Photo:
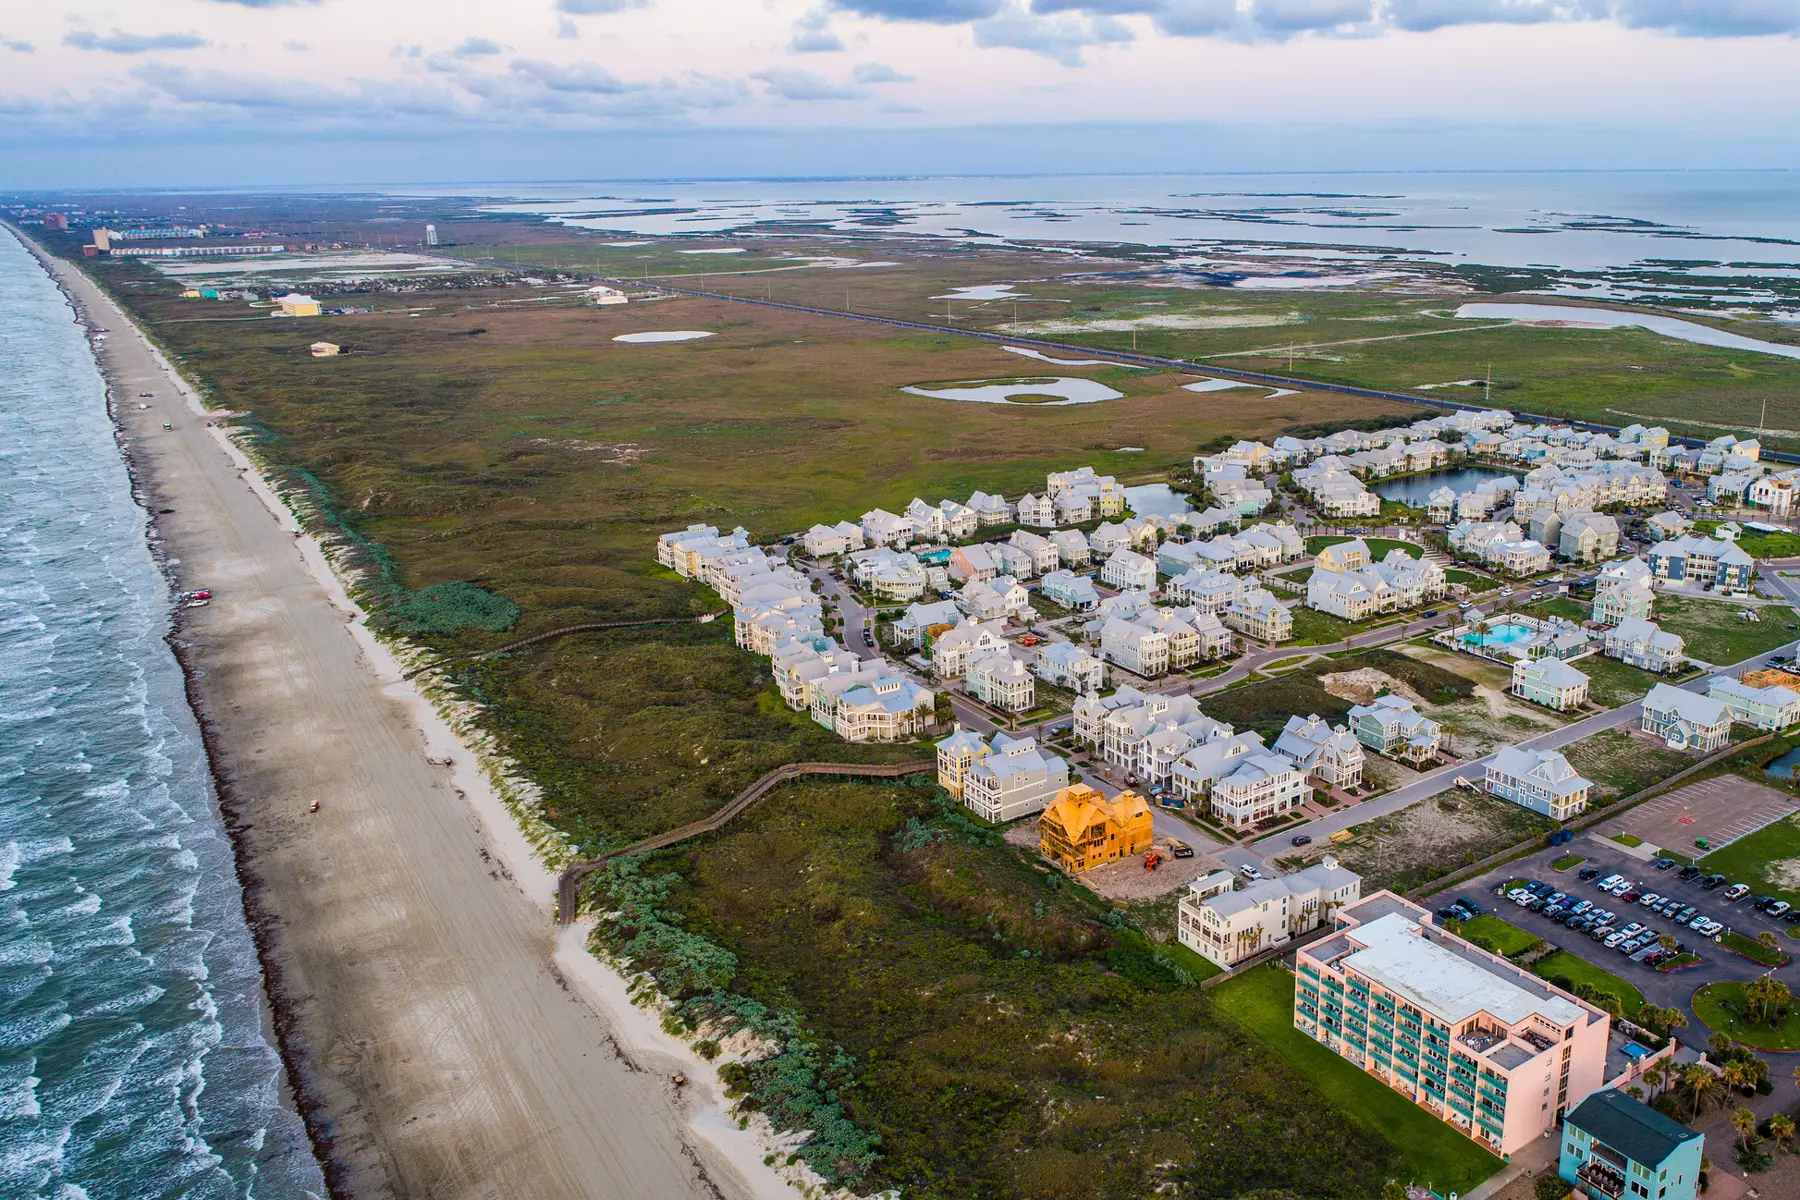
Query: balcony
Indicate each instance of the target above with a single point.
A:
(1600, 1178)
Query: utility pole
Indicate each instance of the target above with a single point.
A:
(1487, 393)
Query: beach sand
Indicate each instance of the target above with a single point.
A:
(437, 1047)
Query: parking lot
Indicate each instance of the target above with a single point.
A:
(1720, 810)
(1665, 989)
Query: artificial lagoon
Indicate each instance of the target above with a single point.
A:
(1415, 490)
(1049, 392)
(1157, 500)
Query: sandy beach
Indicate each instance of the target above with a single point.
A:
(423, 1000)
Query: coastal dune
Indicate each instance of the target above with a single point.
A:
(436, 1048)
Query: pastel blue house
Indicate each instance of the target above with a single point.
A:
(1615, 1148)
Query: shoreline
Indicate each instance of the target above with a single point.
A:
(709, 1147)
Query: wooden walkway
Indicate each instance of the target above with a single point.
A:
(569, 886)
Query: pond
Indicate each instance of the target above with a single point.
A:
(663, 335)
(1415, 490)
(1785, 767)
(1156, 500)
(1044, 393)
(1579, 317)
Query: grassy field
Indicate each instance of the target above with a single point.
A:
(1315, 628)
(1437, 1155)
(1621, 764)
(1475, 583)
(1567, 861)
(1563, 965)
(1720, 1007)
(1751, 949)
(1718, 634)
(1561, 606)
(1266, 706)
(1378, 546)
(1612, 683)
(1499, 937)
(1428, 840)
(984, 1017)
(1768, 860)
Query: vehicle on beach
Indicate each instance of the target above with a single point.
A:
(166, 425)
(198, 603)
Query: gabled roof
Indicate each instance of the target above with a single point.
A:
(1635, 1130)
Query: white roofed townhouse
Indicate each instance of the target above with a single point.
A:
(800, 663)
(883, 528)
(1343, 556)
(1123, 606)
(1149, 738)
(825, 541)
(973, 564)
(1072, 508)
(1071, 547)
(951, 649)
(1205, 590)
(1317, 749)
(991, 510)
(1588, 537)
(1541, 780)
(1015, 778)
(1351, 595)
(1261, 787)
(1623, 590)
(1038, 511)
(1731, 489)
(913, 627)
(959, 520)
(996, 601)
(1645, 645)
(1227, 927)
(955, 755)
(1090, 713)
(1044, 555)
(1440, 506)
(1393, 726)
(1210, 759)
(1108, 538)
(1011, 560)
(1772, 709)
(888, 709)
(1774, 494)
(1685, 720)
(927, 520)
(1069, 666)
(684, 550)
(1139, 649)
(1212, 519)
(1550, 682)
(1069, 590)
(1247, 496)
(1518, 558)
(1000, 681)
(888, 574)
(1256, 613)
(1127, 570)
(760, 628)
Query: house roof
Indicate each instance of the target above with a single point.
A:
(1700, 710)
(1635, 1130)
(1443, 982)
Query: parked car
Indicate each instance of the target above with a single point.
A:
(1713, 882)
(1663, 864)
(1630, 895)
(1587, 873)
(1686, 914)
(1470, 905)
(1649, 899)
(1688, 872)
(1300, 839)
(1738, 891)
(1249, 872)
(1620, 888)
(1778, 909)
(1613, 940)
(1606, 883)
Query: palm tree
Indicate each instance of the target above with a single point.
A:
(1781, 1128)
(1654, 1074)
(1701, 1086)
(1766, 939)
(1766, 997)
(1738, 1076)
(1744, 1121)
(1666, 942)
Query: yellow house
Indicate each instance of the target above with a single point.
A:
(325, 349)
(296, 305)
(1081, 829)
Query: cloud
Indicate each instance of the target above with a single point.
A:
(935, 12)
(591, 8)
(1061, 37)
(1711, 18)
(791, 84)
(266, 3)
(290, 44)
(1282, 17)
(20, 47)
(476, 47)
(584, 77)
(878, 73)
(566, 29)
(1197, 18)
(813, 35)
(1426, 15)
(131, 43)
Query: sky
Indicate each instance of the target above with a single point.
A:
(252, 92)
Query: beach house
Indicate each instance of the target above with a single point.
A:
(1069, 666)
(1000, 681)
(1260, 787)
(972, 564)
(1541, 780)
(1332, 755)
(1623, 590)
(824, 541)
(991, 510)
(1258, 614)
(1703, 560)
(1071, 547)
(1768, 708)
(883, 528)
(1127, 570)
(1645, 645)
(1081, 829)
(1614, 1147)
(1045, 557)
(1014, 778)
(1226, 927)
(1392, 726)
(1550, 682)
(1039, 511)
(951, 649)
(1686, 720)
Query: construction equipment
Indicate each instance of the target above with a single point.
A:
(1180, 849)
(1152, 860)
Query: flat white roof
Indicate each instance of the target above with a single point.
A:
(1443, 983)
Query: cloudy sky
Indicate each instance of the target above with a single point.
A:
(258, 91)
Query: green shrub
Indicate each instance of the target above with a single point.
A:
(449, 608)
(1551, 1187)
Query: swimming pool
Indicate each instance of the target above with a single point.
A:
(1507, 634)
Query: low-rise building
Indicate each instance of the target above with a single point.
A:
(1686, 720)
(951, 649)
(920, 623)
(991, 510)
(1071, 547)
(1069, 666)
(1479, 1042)
(1768, 708)
(1038, 511)
(956, 754)
(1332, 755)
(1000, 681)
(1069, 590)
(1141, 649)
(326, 349)
(1343, 556)
(1206, 591)
(1550, 682)
(996, 601)
(1391, 725)
(1646, 646)
(1258, 614)
(1587, 536)
(823, 541)
(1614, 1147)
(1703, 560)
(1226, 927)
(1260, 787)
(1623, 590)
(1127, 570)
(1011, 778)
(872, 704)
(883, 528)
(1541, 780)
(1082, 829)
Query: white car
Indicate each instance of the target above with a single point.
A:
(1613, 939)
(1250, 872)
(1620, 888)
(1650, 900)
(1606, 885)
(1633, 929)
(1506, 591)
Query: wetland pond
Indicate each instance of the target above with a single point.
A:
(1415, 490)
(1048, 392)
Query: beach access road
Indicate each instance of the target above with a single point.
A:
(437, 1050)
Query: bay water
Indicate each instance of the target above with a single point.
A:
(135, 1059)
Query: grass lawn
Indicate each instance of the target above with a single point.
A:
(1628, 839)
(1315, 628)
(1757, 544)
(1768, 860)
(1262, 1001)
(1378, 546)
(1621, 763)
(1567, 861)
(1612, 683)
(1561, 606)
(1266, 705)
(1717, 633)
(1752, 949)
(1579, 970)
(1720, 1007)
(1500, 937)
(1475, 583)
(1196, 965)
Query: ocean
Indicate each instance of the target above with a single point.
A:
(135, 1059)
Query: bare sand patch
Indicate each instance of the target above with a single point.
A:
(1127, 880)
(1365, 684)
